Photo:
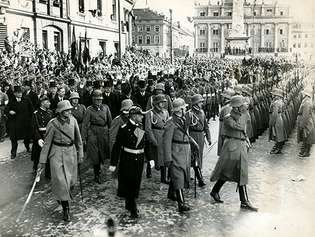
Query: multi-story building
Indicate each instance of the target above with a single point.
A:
(152, 31)
(50, 23)
(266, 25)
(303, 41)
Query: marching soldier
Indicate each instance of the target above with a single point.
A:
(78, 109)
(128, 152)
(155, 121)
(63, 148)
(198, 129)
(160, 90)
(177, 154)
(306, 124)
(95, 133)
(276, 125)
(232, 164)
(40, 119)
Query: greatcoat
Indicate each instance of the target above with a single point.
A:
(305, 122)
(276, 124)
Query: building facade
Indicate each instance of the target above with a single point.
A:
(266, 25)
(152, 31)
(49, 23)
(303, 41)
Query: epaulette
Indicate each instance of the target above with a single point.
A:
(52, 120)
(169, 119)
(35, 112)
(124, 125)
(227, 115)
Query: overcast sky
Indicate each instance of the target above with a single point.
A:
(183, 8)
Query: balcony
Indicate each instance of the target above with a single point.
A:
(202, 50)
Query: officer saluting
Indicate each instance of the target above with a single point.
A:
(128, 151)
(40, 119)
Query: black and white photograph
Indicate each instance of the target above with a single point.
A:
(157, 118)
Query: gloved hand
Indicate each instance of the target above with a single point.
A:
(209, 142)
(112, 168)
(152, 164)
(41, 142)
(11, 112)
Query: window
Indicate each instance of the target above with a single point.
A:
(306, 36)
(156, 39)
(255, 13)
(157, 28)
(45, 39)
(114, 10)
(202, 45)
(269, 10)
(294, 36)
(299, 45)
(202, 14)
(148, 28)
(81, 6)
(281, 31)
(99, 7)
(57, 41)
(215, 13)
(202, 32)
(267, 32)
(229, 14)
(215, 32)
(140, 28)
(103, 46)
(215, 47)
(56, 3)
(281, 13)
(140, 40)
(43, 1)
(133, 40)
(294, 45)
(148, 39)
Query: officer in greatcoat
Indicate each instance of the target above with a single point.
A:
(40, 119)
(128, 154)
(305, 124)
(155, 121)
(64, 150)
(232, 164)
(276, 125)
(198, 130)
(78, 110)
(177, 153)
(95, 133)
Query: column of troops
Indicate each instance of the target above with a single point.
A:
(148, 121)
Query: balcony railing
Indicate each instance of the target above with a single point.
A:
(202, 50)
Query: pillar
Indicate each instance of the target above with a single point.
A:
(262, 35)
(276, 38)
(196, 37)
(222, 39)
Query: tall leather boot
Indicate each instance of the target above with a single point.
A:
(215, 191)
(274, 148)
(198, 173)
(163, 175)
(97, 171)
(182, 207)
(148, 170)
(66, 210)
(245, 203)
(171, 194)
(302, 151)
(134, 213)
(307, 149)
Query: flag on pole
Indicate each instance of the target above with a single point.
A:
(74, 48)
(86, 51)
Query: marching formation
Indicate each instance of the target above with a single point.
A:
(144, 112)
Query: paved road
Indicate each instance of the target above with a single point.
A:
(286, 207)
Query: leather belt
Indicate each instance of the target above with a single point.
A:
(42, 129)
(133, 151)
(180, 142)
(63, 144)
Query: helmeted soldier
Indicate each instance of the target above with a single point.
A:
(95, 133)
(160, 89)
(154, 127)
(128, 152)
(177, 153)
(305, 124)
(198, 130)
(78, 110)
(276, 125)
(40, 119)
(232, 164)
(63, 148)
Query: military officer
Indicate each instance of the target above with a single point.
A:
(128, 152)
(177, 153)
(95, 133)
(78, 110)
(232, 164)
(40, 119)
(306, 124)
(154, 127)
(276, 125)
(198, 130)
(63, 148)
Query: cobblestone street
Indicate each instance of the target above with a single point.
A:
(286, 207)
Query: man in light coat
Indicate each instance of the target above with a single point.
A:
(64, 150)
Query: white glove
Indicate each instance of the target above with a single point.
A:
(112, 168)
(152, 163)
(41, 142)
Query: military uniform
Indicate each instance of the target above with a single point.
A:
(78, 112)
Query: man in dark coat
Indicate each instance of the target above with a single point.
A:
(112, 100)
(141, 96)
(31, 95)
(86, 99)
(128, 152)
(78, 110)
(95, 133)
(40, 119)
(60, 96)
(19, 113)
(232, 164)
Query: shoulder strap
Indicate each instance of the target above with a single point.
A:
(55, 125)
